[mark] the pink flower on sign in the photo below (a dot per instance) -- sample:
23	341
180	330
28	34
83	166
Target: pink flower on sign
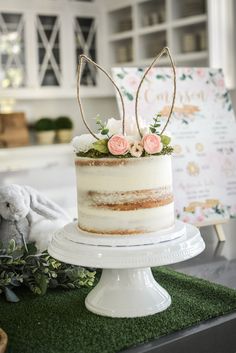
200	218
186	219
220	82
200	72
152	143
131	81
118	145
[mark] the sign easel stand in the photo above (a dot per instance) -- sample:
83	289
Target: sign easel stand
219	231
217	227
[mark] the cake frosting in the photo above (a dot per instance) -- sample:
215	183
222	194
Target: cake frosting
124	172
124	196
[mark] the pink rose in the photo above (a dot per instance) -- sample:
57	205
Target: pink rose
152	143
118	145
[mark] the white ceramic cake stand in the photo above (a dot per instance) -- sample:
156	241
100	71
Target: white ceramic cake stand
127	287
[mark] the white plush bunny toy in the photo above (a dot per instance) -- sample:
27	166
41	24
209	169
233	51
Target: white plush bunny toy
17	205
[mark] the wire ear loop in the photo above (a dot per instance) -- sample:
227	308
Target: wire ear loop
82	59
164	51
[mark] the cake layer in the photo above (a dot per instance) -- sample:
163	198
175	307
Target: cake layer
113	174
124	196
129	222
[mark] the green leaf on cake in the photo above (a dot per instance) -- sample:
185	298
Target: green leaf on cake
104	131
165	139
101	146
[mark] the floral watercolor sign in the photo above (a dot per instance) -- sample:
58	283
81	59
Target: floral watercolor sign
203	131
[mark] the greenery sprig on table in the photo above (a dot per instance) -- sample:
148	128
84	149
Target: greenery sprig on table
21	266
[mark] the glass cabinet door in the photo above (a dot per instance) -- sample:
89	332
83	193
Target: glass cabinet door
48	41
85	40
12	50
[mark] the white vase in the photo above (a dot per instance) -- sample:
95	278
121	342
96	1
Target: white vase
64	135
45	137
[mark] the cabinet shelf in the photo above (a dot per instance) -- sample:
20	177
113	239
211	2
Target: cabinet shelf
181	9
189	21
120	36
120	20
151	13
153	29
180	24
194	56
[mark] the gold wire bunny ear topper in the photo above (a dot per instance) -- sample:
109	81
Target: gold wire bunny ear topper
116	143
86	145
155	135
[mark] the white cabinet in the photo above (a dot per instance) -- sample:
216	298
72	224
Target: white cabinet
139	29
40	43
12	49
198	32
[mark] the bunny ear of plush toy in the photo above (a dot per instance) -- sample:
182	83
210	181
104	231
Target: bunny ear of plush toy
43	206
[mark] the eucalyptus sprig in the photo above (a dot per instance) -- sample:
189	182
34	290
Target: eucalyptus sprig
101	127
154	129
156	124
37	271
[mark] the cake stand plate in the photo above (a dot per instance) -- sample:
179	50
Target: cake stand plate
127	287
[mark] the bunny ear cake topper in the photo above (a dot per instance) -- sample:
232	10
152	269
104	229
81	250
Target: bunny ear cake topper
164	51
83	58
112	140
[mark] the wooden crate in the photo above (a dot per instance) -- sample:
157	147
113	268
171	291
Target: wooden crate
13	130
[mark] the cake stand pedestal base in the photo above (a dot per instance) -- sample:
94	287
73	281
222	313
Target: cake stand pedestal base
127	287
127	293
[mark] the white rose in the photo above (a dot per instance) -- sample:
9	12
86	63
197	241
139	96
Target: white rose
114	126
83	143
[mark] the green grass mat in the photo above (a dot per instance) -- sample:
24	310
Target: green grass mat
60	323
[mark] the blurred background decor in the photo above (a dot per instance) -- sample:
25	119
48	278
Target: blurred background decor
45	131
13	130
64	129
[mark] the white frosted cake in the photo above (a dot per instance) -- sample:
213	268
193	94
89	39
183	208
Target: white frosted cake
124	172
124	196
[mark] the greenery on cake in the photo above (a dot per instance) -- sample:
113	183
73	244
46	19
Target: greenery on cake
167	150
111	144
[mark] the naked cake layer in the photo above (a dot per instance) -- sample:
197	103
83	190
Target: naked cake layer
124	196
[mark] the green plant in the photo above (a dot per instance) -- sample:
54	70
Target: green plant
63	122
23	266
44	124
101	127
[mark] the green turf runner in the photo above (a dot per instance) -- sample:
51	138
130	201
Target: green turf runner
59	322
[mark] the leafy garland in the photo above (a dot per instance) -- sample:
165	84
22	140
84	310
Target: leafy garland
100	148
167	150
38	272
